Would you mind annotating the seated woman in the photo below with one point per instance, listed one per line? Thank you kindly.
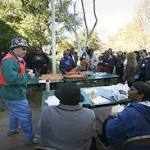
(67, 126)
(134, 120)
(66, 63)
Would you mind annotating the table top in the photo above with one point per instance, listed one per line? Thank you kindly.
(96, 76)
(95, 96)
(102, 75)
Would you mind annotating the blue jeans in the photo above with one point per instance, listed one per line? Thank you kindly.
(20, 113)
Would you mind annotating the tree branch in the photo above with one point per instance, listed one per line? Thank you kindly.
(96, 19)
(66, 15)
(70, 25)
(84, 16)
(85, 22)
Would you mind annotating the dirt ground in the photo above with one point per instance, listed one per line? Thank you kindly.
(15, 142)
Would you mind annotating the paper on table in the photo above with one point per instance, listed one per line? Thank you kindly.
(42, 81)
(52, 100)
(101, 73)
(119, 91)
(100, 100)
(90, 90)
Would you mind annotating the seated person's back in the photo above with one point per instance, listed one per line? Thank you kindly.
(67, 126)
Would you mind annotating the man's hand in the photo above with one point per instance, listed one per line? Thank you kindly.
(29, 70)
(32, 75)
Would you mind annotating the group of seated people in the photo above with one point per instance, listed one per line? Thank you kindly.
(70, 126)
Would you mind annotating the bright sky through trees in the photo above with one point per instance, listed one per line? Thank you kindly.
(112, 14)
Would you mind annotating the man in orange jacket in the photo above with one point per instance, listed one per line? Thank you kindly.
(14, 80)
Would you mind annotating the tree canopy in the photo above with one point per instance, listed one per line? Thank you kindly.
(6, 34)
(31, 19)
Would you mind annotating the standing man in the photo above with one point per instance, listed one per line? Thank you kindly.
(13, 79)
(38, 61)
(73, 55)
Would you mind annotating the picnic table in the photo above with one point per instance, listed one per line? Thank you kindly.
(37, 85)
(97, 79)
(94, 97)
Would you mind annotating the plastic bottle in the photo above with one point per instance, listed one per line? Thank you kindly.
(93, 94)
(47, 86)
(94, 68)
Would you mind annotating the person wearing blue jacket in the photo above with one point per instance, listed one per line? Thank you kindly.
(66, 63)
(133, 121)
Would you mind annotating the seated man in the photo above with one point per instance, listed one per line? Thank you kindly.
(67, 126)
(134, 120)
(66, 63)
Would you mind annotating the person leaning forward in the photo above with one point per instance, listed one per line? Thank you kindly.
(13, 78)
(133, 121)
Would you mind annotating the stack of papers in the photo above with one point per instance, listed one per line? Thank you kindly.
(52, 100)
(114, 92)
(118, 92)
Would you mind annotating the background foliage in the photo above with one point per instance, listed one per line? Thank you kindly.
(31, 19)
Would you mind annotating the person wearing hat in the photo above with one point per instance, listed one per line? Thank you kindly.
(67, 126)
(134, 120)
(13, 81)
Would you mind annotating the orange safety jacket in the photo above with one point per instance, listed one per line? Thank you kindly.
(21, 71)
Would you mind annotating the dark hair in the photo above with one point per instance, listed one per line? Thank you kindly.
(69, 94)
(83, 57)
(143, 88)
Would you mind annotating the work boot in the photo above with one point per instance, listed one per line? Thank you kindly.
(12, 132)
(32, 141)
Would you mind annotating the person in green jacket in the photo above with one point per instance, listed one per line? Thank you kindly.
(14, 92)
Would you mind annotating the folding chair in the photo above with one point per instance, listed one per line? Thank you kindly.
(140, 141)
(43, 148)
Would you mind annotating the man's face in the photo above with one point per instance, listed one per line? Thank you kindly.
(65, 54)
(134, 95)
(72, 51)
(38, 50)
(20, 51)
